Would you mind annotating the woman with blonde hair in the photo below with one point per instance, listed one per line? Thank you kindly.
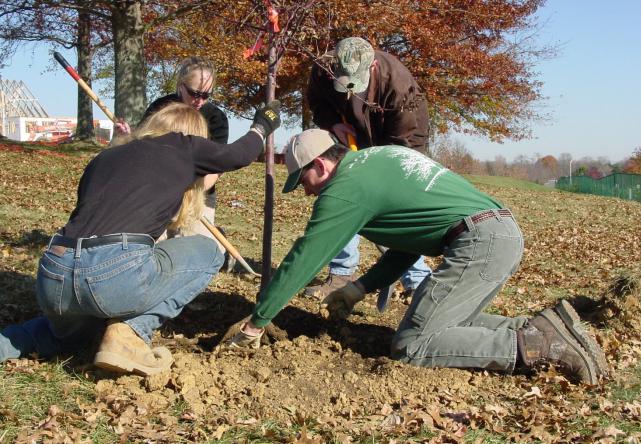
(195, 80)
(106, 267)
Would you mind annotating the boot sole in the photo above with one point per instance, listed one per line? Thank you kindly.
(572, 321)
(119, 364)
(562, 330)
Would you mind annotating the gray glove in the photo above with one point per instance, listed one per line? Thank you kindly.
(340, 303)
(235, 337)
(245, 340)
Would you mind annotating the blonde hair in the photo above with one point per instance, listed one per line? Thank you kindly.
(192, 67)
(177, 118)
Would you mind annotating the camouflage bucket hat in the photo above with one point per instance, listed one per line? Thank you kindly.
(354, 56)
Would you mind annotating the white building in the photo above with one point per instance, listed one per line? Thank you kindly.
(22, 118)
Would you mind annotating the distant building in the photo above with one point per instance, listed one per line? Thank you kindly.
(24, 119)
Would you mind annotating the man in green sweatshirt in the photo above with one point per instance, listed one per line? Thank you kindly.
(402, 199)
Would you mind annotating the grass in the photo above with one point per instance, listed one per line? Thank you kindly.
(507, 182)
(28, 395)
(571, 250)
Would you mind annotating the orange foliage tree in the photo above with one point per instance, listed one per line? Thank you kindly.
(477, 77)
(633, 164)
(476, 71)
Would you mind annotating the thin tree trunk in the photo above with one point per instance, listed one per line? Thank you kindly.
(129, 60)
(269, 176)
(84, 128)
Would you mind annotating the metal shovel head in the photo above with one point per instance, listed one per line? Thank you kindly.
(384, 295)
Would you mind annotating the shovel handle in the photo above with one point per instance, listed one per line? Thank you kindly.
(86, 88)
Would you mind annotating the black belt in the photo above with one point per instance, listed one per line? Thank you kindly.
(108, 239)
(461, 227)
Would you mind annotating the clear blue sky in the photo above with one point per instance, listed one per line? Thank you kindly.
(593, 86)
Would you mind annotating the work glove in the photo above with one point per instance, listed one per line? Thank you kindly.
(340, 303)
(245, 340)
(235, 337)
(267, 119)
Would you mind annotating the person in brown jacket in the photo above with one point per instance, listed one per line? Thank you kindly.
(367, 98)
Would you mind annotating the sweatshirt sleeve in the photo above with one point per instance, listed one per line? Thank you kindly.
(387, 270)
(211, 157)
(333, 223)
(406, 120)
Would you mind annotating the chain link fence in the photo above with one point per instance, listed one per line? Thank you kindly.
(623, 186)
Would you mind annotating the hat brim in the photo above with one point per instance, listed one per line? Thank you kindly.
(292, 181)
(358, 85)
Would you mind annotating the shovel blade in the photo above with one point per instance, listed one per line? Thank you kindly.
(384, 296)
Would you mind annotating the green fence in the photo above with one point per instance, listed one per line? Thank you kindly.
(623, 186)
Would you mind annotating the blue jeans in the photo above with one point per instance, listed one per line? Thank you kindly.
(444, 325)
(347, 260)
(78, 290)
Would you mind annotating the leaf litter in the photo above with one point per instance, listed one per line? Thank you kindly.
(323, 380)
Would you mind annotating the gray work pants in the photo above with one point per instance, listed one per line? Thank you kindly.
(444, 325)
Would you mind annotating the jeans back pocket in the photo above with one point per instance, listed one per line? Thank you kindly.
(503, 256)
(49, 290)
(121, 290)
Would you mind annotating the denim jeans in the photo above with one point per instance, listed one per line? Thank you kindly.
(347, 260)
(78, 290)
(444, 325)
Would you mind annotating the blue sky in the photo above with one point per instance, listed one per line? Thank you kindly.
(592, 87)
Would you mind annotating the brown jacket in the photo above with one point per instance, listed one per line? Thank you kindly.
(391, 111)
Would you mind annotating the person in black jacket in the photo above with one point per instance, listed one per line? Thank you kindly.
(194, 84)
(106, 267)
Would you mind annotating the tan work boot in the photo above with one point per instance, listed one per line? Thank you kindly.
(333, 282)
(546, 339)
(123, 351)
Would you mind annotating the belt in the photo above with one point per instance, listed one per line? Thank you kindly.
(461, 227)
(108, 239)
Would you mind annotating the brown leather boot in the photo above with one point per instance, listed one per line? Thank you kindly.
(546, 339)
(333, 282)
(123, 351)
(572, 322)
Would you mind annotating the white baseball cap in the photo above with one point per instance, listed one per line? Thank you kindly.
(301, 150)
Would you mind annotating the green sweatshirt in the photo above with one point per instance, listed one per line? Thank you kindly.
(391, 195)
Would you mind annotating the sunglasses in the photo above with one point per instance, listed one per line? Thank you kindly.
(197, 94)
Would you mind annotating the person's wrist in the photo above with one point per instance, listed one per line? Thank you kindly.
(250, 329)
(360, 286)
(259, 129)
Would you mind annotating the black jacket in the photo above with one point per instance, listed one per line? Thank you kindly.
(138, 187)
(216, 119)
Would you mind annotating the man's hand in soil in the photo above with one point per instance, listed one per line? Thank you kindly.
(340, 303)
(243, 334)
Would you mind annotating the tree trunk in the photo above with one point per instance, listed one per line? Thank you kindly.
(84, 128)
(269, 175)
(129, 60)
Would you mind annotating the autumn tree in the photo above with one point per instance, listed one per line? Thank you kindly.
(46, 21)
(473, 59)
(122, 24)
(633, 164)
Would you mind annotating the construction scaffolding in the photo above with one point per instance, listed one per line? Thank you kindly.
(22, 118)
(16, 100)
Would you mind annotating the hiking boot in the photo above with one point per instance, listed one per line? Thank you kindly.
(333, 282)
(123, 351)
(572, 322)
(546, 340)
